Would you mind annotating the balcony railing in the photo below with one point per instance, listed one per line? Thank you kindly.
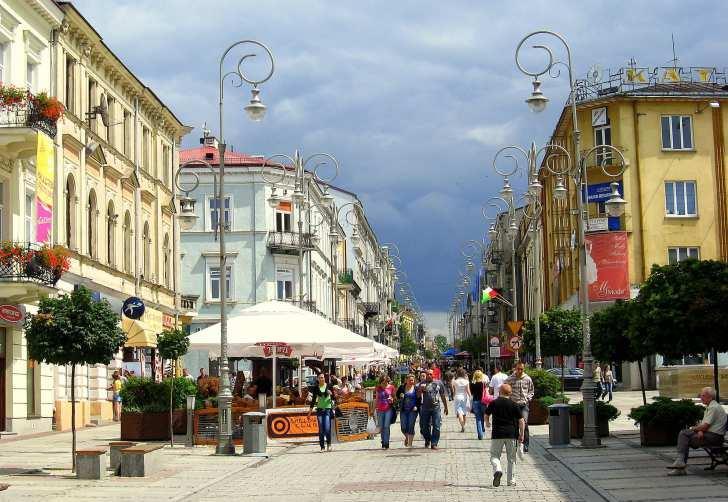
(351, 325)
(24, 262)
(346, 276)
(27, 113)
(371, 309)
(289, 242)
(189, 302)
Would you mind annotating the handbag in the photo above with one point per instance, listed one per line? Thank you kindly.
(395, 411)
(487, 397)
(371, 426)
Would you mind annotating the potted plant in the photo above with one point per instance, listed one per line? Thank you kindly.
(11, 95)
(662, 420)
(48, 107)
(545, 385)
(55, 258)
(605, 414)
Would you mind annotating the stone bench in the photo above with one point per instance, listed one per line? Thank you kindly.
(115, 448)
(91, 463)
(139, 461)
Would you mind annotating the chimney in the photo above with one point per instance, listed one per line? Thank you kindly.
(207, 138)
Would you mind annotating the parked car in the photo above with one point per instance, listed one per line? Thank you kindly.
(573, 377)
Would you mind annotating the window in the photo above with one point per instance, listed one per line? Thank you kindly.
(70, 213)
(4, 67)
(227, 214)
(31, 76)
(127, 242)
(147, 254)
(283, 217)
(680, 198)
(675, 255)
(32, 381)
(109, 131)
(70, 84)
(127, 133)
(677, 132)
(110, 234)
(166, 164)
(91, 220)
(91, 103)
(603, 136)
(213, 275)
(29, 227)
(145, 148)
(166, 255)
(284, 284)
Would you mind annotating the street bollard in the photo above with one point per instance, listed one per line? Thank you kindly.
(189, 440)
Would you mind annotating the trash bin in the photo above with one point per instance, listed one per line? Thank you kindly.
(254, 435)
(559, 425)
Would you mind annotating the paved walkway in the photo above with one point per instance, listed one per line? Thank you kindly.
(39, 469)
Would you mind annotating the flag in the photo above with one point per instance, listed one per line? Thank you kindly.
(488, 295)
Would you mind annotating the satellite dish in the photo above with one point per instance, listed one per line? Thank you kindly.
(103, 109)
(594, 75)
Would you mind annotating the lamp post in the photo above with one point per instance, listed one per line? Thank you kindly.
(256, 111)
(615, 206)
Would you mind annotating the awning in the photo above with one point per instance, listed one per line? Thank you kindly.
(138, 334)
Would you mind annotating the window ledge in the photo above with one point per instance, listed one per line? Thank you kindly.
(674, 150)
(681, 216)
(217, 302)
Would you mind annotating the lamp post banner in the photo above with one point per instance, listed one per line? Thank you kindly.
(607, 267)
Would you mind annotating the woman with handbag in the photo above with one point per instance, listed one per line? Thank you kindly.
(407, 396)
(477, 389)
(385, 393)
(324, 399)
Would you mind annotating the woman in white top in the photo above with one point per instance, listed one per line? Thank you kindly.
(462, 396)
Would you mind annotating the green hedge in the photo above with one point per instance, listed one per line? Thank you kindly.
(664, 412)
(146, 395)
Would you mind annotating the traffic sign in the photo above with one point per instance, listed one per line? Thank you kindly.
(515, 326)
(494, 341)
(495, 352)
(515, 342)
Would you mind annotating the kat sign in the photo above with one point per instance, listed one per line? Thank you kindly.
(607, 272)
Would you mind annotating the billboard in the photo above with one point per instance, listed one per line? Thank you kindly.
(607, 272)
(44, 189)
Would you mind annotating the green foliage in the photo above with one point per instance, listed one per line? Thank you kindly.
(146, 395)
(544, 383)
(476, 345)
(173, 344)
(429, 354)
(664, 412)
(604, 410)
(547, 401)
(613, 334)
(407, 345)
(369, 383)
(73, 329)
(560, 333)
(682, 308)
(441, 343)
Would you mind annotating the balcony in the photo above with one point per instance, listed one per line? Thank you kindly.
(188, 306)
(22, 115)
(370, 309)
(346, 281)
(28, 271)
(351, 325)
(289, 242)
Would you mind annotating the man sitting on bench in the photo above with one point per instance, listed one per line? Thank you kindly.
(707, 433)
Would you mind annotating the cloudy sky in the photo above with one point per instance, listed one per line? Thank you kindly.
(412, 97)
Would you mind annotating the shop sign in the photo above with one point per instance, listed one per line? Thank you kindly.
(281, 348)
(167, 321)
(598, 224)
(153, 319)
(352, 425)
(607, 271)
(291, 424)
(12, 314)
(133, 307)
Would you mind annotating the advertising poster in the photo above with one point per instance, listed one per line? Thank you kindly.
(44, 189)
(607, 271)
(292, 424)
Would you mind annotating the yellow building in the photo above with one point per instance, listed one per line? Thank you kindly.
(668, 124)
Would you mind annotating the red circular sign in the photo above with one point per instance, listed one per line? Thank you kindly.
(11, 314)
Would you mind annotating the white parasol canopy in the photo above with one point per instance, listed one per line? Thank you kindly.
(279, 322)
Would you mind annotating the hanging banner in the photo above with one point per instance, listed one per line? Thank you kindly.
(607, 272)
(44, 189)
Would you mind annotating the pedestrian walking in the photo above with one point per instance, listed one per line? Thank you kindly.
(597, 377)
(407, 396)
(432, 393)
(385, 393)
(477, 388)
(521, 393)
(607, 382)
(324, 399)
(508, 431)
(498, 379)
(449, 376)
(436, 373)
(115, 389)
(462, 397)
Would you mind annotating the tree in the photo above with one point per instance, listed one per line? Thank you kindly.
(560, 334)
(73, 329)
(682, 309)
(172, 344)
(407, 345)
(441, 343)
(614, 337)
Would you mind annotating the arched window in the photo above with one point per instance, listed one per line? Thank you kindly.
(167, 273)
(146, 258)
(127, 242)
(91, 220)
(111, 234)
(70, 212)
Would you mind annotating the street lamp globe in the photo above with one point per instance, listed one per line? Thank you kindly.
(492, 232)
(513, 228)
(274, 198)
(615, 205)
(507, 191)
(298, 196)
(255, 109)
(326, 197)
(187, 216)
(334, 237)
(315, 239)
(560, 191)
(355, 238)
(537, 101)
(535, 186)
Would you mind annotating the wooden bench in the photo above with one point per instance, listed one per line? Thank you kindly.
(91, 463)
(115, 448)
(139, 461)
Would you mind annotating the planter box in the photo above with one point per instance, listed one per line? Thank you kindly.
(151, 426)
(537, 414)
(651, 435)
(577, 427)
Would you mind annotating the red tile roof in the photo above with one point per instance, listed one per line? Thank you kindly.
(231, 158)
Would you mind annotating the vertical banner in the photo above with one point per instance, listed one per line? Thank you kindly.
(44, 189)
(607, 271)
